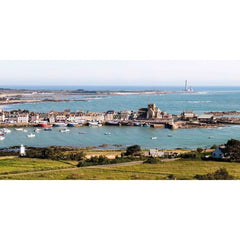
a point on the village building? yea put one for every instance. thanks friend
(60, 117)
(124, 115)
(2, 116)
(153, 112)
(23, 117)
(12, 117)
(156, 153)
(206, 118)
(109, 115)
(34, 117)
(219, 152)
(188, 115)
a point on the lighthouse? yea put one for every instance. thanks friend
(186, 87)
(22, 151)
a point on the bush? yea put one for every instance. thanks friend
(214, 146)
(133, 150)
(199, 150)
(189, 155)
(220, 174)
(152, 160)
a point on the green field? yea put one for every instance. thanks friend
(36, 169)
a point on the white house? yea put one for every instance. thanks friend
(23, 118)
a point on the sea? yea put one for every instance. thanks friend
(203, 99)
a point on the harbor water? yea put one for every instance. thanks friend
(205, 99)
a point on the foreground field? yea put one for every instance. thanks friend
(34, 169)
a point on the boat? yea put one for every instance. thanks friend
(146, 125)
(5, 130)
(136, 124)
(154, 138)
(37, 130)
(64, 130)
(1, 133)
(210, 137)
(2, 138)
(71, 125)
(112, 123)
(107, 133)
(82, 132)
(47, 129)
(19, 129)
(99, 125)
(31, 135)
(93, 124)
(59, 125)
(25, 130)
(170, 135)
(42, 125)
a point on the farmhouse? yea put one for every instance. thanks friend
(219, 152)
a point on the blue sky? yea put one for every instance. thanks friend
(149, 73)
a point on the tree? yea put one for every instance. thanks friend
(233, 149)
(199, 150)
(133, 150)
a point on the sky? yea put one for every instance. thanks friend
(119, 73)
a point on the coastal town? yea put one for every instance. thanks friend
(151, 116)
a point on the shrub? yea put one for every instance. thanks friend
(199, 150)
(152, 160)
(220, 174)
(133, 150)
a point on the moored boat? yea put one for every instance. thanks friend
(59, 125)
(31, 135)
(48, 129)
(154, 138)
(19, 129)
(2, 138)
(6, 130)
(64, 130)
(116, 123)
(93, 123)
(71, 125)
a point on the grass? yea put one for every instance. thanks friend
(23, 168)
(11, 165)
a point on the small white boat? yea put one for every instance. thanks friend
(31, 135)
(107, 133)
(25, 130)
(64, 130)
(154, 138)
(2, 138)
(19, 129)
(99, 125)
(170, 135)
(5, 130)
(37, 130)
(93, 124)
